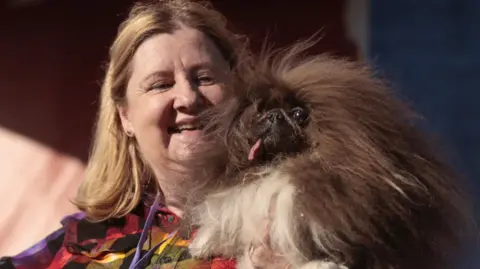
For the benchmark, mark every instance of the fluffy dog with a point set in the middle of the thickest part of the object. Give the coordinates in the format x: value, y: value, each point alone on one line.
x: 319, y: 164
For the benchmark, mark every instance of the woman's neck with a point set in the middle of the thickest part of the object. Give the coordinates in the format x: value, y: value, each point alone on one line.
x: 172, y: 202
x: 174, y: 187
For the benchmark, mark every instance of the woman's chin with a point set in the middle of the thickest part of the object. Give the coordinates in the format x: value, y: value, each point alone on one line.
x: 182, y: 144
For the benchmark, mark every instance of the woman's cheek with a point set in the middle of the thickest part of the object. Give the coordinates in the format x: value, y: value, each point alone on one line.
x: 215, y: 95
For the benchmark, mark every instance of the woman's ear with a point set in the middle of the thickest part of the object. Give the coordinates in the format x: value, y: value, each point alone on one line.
x: 125, y: 120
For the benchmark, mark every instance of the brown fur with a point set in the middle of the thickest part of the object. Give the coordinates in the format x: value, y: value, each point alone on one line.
x: 368, y: 190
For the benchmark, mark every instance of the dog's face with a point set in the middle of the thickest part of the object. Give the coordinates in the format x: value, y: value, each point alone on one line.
x: 265, y: 122
x: 275, y: 124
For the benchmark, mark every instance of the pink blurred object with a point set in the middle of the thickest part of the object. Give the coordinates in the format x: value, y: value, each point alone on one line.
x: 36, y: 186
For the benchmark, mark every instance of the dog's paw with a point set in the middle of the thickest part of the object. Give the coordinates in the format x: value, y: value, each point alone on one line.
x: 322, y: 265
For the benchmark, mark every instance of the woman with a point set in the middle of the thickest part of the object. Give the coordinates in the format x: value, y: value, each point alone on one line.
x: 170, y: 60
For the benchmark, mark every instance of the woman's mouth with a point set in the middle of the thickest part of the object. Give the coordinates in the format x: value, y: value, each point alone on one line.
x: 183, y: 128
x: 185, y: 132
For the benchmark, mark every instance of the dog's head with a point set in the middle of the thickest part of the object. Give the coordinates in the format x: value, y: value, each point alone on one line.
x: 287, y: 105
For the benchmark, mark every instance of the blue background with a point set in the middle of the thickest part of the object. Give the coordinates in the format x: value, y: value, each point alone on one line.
x: 430, y: 50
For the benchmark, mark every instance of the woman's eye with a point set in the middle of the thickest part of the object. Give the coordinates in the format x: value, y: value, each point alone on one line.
x: 205, y: 80
x: 161, y: 86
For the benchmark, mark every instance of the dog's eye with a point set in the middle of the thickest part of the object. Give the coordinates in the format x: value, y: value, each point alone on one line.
x: 257, y: 116
x: 300, y: 115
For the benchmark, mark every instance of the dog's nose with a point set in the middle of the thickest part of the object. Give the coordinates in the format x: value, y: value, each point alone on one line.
x: 274, y: 115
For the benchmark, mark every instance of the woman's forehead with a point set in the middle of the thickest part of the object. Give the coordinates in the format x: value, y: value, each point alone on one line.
x: 185, y: 48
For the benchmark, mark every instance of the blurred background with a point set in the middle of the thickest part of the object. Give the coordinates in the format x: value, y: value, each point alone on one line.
x: 52, y: 54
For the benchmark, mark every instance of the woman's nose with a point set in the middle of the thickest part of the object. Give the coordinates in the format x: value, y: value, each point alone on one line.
x: 187, y: 97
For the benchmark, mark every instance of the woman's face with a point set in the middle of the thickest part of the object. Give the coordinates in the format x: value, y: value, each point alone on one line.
x: 174, y: 77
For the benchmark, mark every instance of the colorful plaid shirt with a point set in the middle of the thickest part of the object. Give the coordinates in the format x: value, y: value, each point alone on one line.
x: 81, y: 244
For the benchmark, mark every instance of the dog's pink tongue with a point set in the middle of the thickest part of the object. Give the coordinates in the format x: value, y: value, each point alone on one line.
x: 254, y: 150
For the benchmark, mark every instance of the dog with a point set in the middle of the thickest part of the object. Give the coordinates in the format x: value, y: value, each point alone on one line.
x: 318, y: 163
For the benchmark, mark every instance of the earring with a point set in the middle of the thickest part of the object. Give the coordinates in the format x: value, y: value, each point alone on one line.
x: 129, y: 133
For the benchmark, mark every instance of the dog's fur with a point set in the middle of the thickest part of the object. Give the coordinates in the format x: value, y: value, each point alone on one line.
x: 364, y: 188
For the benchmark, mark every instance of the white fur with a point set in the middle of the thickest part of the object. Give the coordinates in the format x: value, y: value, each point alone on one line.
x: 322, y: 265
x: 234, y: 221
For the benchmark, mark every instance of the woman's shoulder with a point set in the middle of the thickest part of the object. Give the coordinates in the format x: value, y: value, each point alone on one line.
x: 78, y: 241
x: 41, y: 254
x: 38, y: 255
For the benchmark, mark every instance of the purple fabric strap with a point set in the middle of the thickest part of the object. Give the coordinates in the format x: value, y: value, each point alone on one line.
x: 148, y: 224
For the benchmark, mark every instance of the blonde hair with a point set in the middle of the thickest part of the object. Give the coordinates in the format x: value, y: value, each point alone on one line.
x: 116, y: 175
